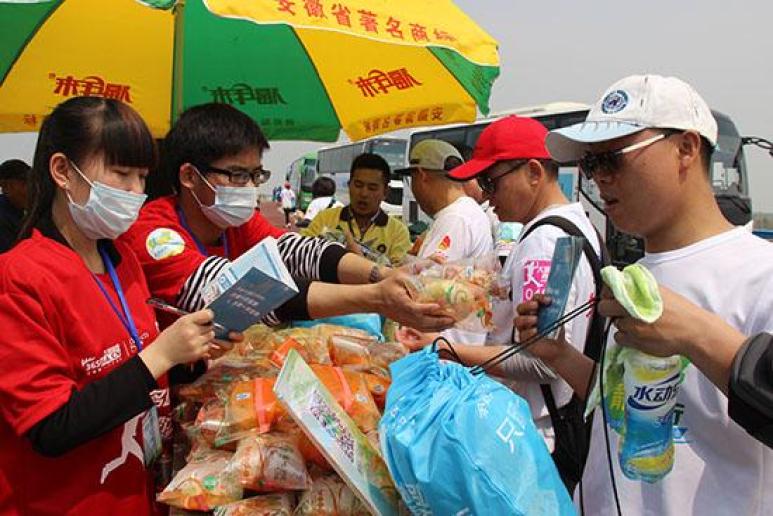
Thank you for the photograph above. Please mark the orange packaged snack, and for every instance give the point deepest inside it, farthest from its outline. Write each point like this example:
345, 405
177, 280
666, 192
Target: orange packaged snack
280, 354
251, 406
312, 454
348, 351
264, 505
204, 483
330, 496
384, 353
270, 462
351, 392
226, 371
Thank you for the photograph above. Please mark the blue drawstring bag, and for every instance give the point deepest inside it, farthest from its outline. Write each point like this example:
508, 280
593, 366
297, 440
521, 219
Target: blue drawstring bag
371, 323
456, 443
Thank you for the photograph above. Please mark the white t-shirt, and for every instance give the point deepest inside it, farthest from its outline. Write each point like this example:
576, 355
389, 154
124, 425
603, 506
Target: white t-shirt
287, 197
718, 467
319, 204
460, 230
529, 266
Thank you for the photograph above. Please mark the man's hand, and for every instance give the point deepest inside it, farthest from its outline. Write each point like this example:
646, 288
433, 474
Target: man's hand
395, 302
414, 339
672, 334
526, 323
351, 243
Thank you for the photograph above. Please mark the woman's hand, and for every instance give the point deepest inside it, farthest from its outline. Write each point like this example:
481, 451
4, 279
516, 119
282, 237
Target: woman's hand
188, 339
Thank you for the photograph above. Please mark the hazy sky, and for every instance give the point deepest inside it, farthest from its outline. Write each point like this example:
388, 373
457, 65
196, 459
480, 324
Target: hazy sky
555, 50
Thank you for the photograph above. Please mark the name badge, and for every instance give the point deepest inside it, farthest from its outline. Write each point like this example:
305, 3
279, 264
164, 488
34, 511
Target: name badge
151, 436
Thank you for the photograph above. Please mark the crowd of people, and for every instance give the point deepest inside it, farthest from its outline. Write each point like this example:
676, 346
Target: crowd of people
86, 403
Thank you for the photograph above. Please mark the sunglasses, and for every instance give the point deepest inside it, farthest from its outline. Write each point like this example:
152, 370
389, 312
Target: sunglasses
241, 177
607, 162
488, 183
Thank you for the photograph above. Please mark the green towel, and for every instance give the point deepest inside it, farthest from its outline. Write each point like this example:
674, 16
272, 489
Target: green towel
636, 289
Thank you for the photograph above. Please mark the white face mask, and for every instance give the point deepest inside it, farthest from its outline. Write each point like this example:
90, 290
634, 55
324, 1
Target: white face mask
233, 206
108, 212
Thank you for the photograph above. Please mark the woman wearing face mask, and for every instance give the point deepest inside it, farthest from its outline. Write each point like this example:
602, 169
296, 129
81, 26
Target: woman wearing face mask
83, 396
212, 167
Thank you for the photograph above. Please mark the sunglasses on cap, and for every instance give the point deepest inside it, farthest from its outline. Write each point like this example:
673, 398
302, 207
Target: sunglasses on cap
488, 183
606, 162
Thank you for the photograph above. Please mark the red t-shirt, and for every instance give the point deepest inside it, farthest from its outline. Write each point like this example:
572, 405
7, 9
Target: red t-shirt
169, 253
59, 334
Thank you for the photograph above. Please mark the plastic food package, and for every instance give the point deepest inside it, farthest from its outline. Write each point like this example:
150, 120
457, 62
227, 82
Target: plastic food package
210, 422
330, 496
464, 289
311, 346
326, 331
378, 385
270, 462
384, 353
351, 392
348, 351
264, 505
251, 406
311, 453
204, 483
280, 354
222, 373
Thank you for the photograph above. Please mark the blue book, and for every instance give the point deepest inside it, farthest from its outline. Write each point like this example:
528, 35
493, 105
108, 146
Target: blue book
252, 286
566, 258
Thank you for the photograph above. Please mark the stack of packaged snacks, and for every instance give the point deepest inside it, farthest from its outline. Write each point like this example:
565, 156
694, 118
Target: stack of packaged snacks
239, 452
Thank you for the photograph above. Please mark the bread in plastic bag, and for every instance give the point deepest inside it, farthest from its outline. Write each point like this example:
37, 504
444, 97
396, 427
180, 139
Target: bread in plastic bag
251, 406
224, 372
463, 289
204, 483
270, 462
276, 504
351, 392
330, 496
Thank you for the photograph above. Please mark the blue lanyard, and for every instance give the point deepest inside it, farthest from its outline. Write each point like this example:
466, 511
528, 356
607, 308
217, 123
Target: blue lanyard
199, 245
126, 316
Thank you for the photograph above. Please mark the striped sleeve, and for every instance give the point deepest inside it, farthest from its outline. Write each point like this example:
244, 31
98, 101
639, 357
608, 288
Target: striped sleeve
311, 258
190, 297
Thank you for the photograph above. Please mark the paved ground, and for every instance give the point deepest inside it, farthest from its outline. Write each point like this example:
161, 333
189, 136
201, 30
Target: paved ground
274, 214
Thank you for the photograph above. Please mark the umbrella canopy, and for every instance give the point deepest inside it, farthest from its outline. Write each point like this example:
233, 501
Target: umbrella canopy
303, 69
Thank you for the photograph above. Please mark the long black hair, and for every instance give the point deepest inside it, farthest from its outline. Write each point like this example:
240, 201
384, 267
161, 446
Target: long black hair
82, 128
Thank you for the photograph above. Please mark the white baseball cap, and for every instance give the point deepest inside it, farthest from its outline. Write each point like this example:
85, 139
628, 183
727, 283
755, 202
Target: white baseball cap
631, 105
432, 155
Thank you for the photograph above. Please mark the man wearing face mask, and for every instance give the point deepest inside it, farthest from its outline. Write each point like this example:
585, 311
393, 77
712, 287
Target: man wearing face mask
212, 160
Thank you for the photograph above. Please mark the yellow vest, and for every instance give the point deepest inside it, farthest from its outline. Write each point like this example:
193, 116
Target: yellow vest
386, 236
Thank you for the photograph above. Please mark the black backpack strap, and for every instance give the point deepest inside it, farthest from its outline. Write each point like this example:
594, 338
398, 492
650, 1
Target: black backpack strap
571, 433
592, 346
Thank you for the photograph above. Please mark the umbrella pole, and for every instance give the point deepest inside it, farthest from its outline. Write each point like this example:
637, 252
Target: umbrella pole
177, 62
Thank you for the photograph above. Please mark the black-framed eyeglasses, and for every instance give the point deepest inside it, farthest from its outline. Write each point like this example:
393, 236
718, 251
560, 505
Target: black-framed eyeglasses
607, 162
488, 183
240, 177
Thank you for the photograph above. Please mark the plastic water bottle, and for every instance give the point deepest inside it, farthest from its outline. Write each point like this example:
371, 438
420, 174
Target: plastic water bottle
651, 385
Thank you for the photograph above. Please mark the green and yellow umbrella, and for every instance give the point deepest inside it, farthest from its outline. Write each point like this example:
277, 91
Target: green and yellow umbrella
303, 69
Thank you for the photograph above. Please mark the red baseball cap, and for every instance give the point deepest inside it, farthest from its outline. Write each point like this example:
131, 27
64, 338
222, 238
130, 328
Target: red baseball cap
512, 137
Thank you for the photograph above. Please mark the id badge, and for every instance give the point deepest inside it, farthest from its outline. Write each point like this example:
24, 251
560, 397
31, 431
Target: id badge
151, 436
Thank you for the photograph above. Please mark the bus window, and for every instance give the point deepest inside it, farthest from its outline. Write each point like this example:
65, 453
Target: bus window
393, 151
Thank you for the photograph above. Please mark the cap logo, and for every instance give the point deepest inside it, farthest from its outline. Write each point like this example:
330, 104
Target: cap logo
614, 102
